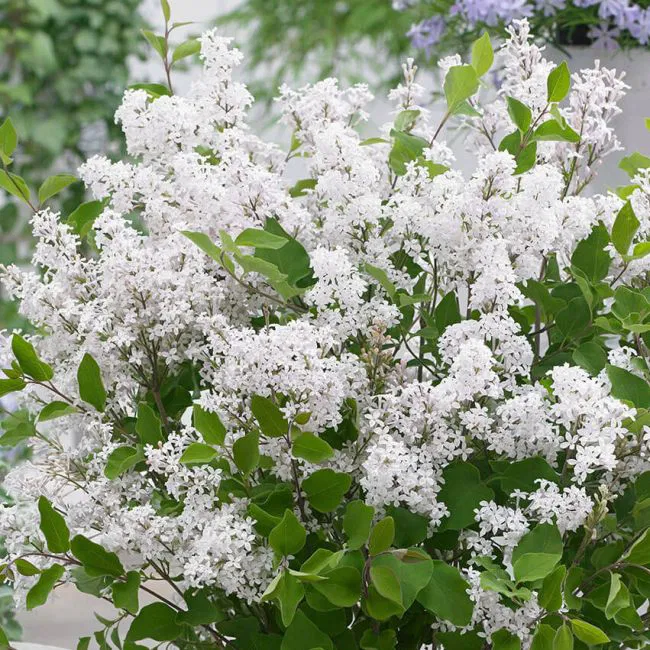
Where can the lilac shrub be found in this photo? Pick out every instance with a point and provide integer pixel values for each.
(387, 406)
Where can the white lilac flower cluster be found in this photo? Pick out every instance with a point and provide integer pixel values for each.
(340, 359)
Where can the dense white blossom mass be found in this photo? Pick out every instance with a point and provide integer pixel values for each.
(150, 306)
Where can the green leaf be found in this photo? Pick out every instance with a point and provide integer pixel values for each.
(384, 640)
(29, 361)
(302, 634)
(301, 187)
(625, 226)
(590, 356)
(628, 387)
(205, 244)
(53, 185)
(411, 528)
(462, 492)
(446, 595)
(325, 489)
(382, 536)
(55, 410)
(406, 120)
(154, 90)
(289, 536)
(526, 158)
(15, 185)
(461, 640)
(209, 425)
(406, 148)
(198, 453)
(639, 552)
(537, 553)
(264, 522)
(122, 459)
(557, 116)
(246, 452)
(573, 580)
(563, 638)
(11, 386)
(148, 425)
(82, 218)
(26, 568)
(157, 42)
(413, 569)
(311, 448)
(125, 594)
(53, 526)
(156, 621)
(496, 579)
(380, 608)
(558, 83)
(289, 592)
(342, 587)
(96, 560)
(188, 48)
(91, 387)
(8, 138)
(433, 169)
(88, 584)
(200, 609)
(550, 595)
(524, 474)
(628, 302)
(588, 633)
(552, 131)
(167, 13)
(590, 256)
(543, 639)
(17, 433)
(40, 592)
(629, 617)
(633, 163)
(269, 417)
(482, 54)
(519, 113)
(504, 640)
(292, 260)
(461, 82)
(258, 238)
(574, 318)
(386, 583)
(320, 560)
(270, 272)
(382, 277)
(356, 523)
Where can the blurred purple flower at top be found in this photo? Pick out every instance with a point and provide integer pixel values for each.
(640, 27)
(621, 11)
(630, 16)
(604, 37)
(617, 17)
(492, 12)
(426, 34)
(550, 7)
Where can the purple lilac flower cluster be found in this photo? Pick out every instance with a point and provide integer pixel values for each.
(617, 17)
